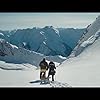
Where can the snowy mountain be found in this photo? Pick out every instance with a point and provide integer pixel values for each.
(31, 45)
(88, 35)
(45, 40)
(4, 35)
(13, 54)
(49, 41)
(83, 69)
(71, 36)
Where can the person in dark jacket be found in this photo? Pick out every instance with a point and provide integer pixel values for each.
(51, 70)
(43, 68)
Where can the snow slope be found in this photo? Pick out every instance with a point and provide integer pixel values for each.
(84, 69)
(90, 31)
(26, 77)
(16, 77)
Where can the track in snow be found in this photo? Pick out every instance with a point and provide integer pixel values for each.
(59, 84)
(54, 84)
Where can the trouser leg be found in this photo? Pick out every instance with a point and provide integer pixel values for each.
(40, 75)
(48, 74)
(52, 77)
(44, 75)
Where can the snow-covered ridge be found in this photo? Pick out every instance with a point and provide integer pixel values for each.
(1, 34)
(49, 40)
(83, 69)
(91, 30)
(91, 40)
(52, 28)
(13, 54)
(91, 34)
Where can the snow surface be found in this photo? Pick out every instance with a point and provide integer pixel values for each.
(26, 76)
(83, 70)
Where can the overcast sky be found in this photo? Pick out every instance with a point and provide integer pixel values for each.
(10, 21)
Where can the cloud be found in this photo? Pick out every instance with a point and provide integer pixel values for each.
(23, 20)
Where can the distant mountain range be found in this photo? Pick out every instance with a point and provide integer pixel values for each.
(49, 41)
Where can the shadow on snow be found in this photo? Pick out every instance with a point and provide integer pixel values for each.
(39, 81)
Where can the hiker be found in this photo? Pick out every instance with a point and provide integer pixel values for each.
(43, 68)
(51, 70)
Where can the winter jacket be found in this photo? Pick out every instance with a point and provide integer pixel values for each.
(52, 68)
(43, 65)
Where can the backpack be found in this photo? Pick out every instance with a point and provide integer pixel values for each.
(43, 65)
